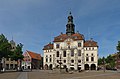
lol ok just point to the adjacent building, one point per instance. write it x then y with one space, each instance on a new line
71 50
31 60
9 63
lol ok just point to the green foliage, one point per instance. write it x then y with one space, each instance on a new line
5 46
110 60
118 46
100 61
17 53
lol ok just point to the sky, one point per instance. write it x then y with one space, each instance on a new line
35 23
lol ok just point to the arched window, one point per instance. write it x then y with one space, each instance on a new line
86 54
79 61
92 54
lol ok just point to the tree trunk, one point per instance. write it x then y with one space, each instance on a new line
17 66
20 65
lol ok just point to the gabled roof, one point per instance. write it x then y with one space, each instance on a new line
48 46
62 37
90 43
34 55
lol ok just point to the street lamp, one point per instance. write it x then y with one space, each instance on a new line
60 62
104 63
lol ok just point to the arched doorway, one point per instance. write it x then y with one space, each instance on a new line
86 67
71 68
46 67
50 66
93 67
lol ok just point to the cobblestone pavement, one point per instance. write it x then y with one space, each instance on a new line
49 74
9 75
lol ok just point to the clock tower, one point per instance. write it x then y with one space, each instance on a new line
70 27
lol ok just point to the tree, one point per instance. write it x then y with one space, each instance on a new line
100 61
110 60
118 46
118 55
5 48
17 55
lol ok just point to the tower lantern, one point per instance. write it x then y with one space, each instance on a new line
70 27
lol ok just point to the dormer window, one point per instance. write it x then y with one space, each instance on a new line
90 44
48 47
79 44
61 39
57 46
75 37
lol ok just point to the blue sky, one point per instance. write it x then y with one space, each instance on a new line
35 23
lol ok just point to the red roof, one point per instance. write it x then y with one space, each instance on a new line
62 37
90 43
48 46
34 55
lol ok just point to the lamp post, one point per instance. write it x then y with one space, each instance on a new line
104 64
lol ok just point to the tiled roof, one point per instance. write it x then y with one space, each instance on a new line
90 43
62 37
48 46
34 55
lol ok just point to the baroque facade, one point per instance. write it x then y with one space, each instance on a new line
71 50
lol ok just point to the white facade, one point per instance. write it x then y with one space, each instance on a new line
71 51
81 55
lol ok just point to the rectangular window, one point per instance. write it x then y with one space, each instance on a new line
79 52
72 61
64 53
87 59
50 59
57 46
57 54
64 61
57 61
79 61
92 58
72 53
46 59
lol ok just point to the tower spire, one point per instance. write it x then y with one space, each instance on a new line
70 26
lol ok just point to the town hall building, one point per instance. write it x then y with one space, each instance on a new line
71 50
